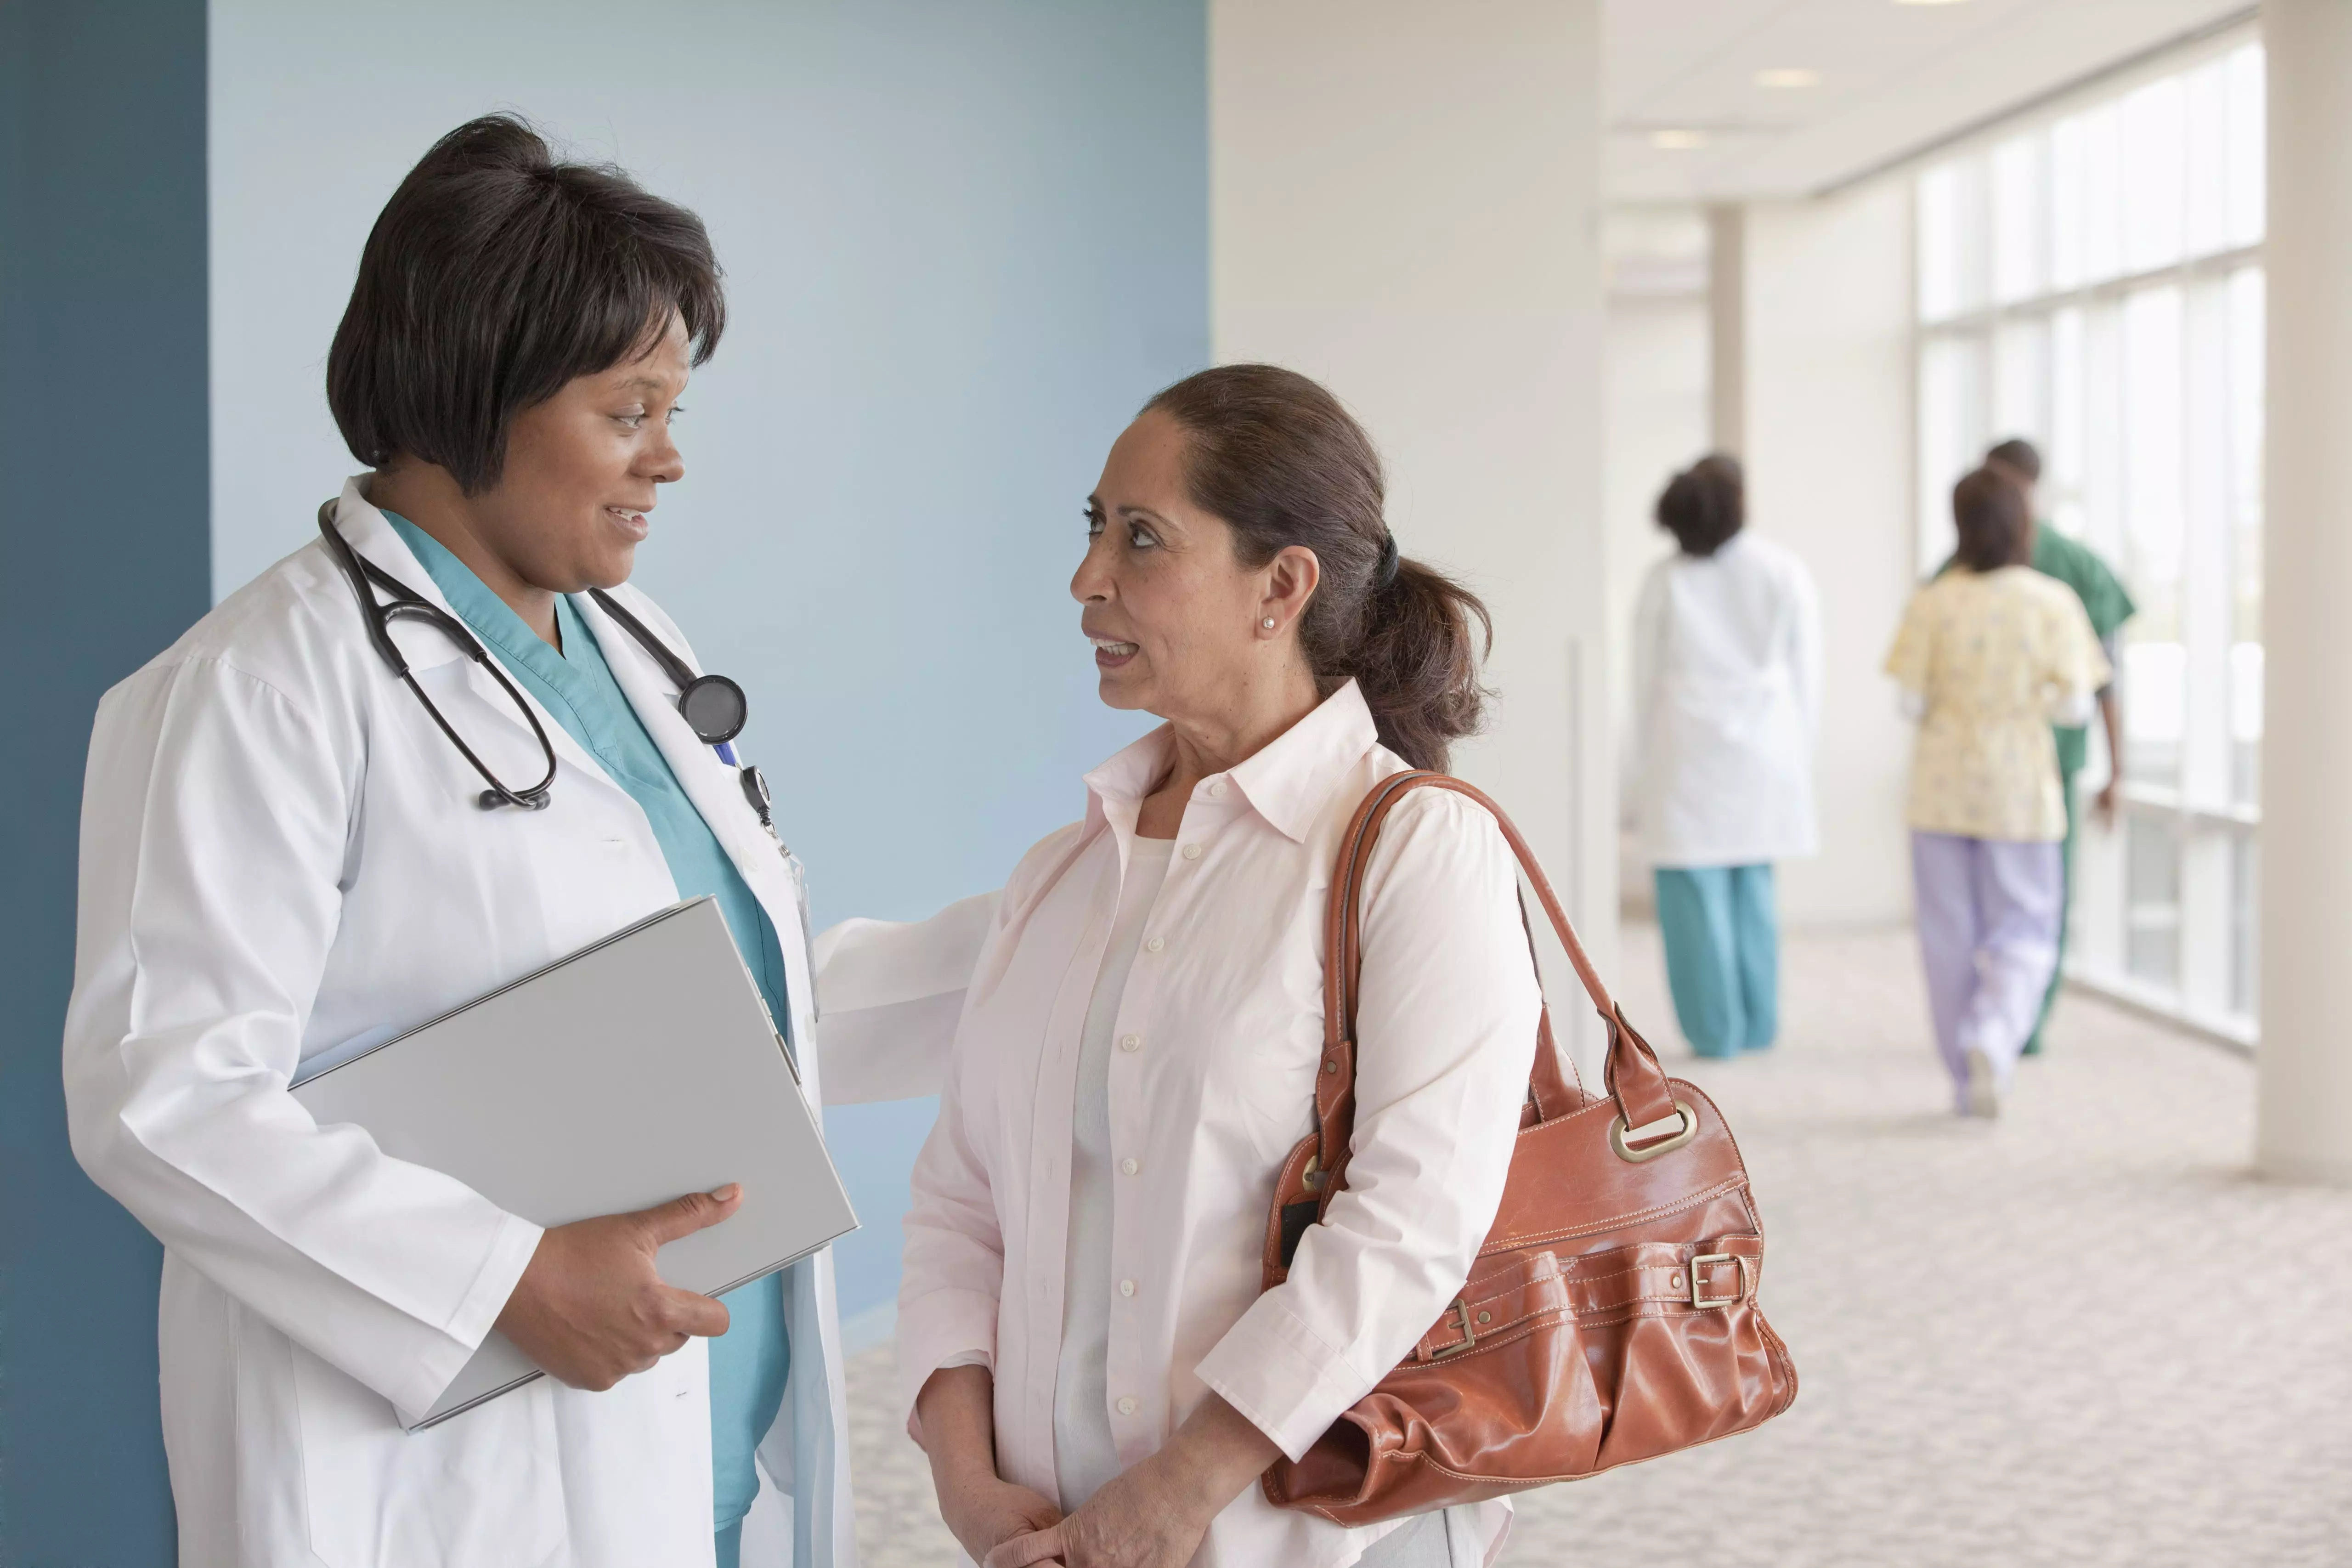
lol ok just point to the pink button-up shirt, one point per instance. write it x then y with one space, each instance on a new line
1218 1041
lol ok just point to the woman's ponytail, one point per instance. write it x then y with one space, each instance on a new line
1416 665
1279 459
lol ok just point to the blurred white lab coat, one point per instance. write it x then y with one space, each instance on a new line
1727 702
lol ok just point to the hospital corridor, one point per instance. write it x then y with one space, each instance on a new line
840 782
2081 1335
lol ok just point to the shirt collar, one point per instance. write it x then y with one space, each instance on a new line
1287 782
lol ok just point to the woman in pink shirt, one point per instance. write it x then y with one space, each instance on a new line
1085 1352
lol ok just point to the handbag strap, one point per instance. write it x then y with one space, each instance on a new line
1632 1074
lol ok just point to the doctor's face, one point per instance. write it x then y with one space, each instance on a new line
1169 605
582 471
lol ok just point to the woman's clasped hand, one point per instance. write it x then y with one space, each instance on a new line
1154 1514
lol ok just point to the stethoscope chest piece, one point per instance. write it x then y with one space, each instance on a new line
714 708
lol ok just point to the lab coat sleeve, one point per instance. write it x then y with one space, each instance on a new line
1445 1031
888 996
215 822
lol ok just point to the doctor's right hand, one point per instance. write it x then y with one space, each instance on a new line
590 1309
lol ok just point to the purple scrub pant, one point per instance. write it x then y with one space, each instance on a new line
1988 917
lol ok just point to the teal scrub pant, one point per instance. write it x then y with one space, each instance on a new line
749 1365
1723 955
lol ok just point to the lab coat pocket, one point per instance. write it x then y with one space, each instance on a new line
483 1489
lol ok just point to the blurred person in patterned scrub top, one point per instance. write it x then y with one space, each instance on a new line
1990 657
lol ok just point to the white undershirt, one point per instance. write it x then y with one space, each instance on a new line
1085 1453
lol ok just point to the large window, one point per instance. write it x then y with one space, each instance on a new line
2093 281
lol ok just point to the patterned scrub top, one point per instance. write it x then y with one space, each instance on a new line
1994 656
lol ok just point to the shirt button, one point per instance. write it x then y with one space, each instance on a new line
1127 1288
1191 852
1130 1043
1216 789
1155 944
1126 1406
1129 1166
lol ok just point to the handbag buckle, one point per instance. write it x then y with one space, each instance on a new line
1631 1144
1699 1298
1461 1309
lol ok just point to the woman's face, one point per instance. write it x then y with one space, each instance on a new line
1177 621
582 469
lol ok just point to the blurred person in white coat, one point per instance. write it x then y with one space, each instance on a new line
313 821
1727 702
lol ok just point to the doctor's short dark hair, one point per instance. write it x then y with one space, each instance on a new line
496 275
1989 514
1704 504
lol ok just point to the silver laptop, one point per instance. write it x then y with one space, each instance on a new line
641 1069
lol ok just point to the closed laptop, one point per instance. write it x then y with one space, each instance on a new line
640 1069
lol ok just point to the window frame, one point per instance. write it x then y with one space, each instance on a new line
2203 912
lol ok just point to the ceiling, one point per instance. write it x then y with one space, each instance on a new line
1891 79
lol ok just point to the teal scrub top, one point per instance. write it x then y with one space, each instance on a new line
750 1361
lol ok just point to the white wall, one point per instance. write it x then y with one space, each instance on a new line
1828 437
1655 419
1405 204
2304 1123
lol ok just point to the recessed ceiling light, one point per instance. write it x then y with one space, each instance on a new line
1679 140
1787 75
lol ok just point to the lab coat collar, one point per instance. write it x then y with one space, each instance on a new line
809 1435
366 530
1287 782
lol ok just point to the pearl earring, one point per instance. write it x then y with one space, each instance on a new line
1267 623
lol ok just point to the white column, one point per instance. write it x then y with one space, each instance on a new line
1726 321
1827 399
2304 1124
1405 204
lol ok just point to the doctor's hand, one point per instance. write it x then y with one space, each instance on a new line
590 1309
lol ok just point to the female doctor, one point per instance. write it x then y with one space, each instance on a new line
437 748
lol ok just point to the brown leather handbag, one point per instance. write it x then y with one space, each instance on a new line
1611 1315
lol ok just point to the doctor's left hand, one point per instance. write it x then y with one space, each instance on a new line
590 1309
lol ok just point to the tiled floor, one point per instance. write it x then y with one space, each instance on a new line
2083 1335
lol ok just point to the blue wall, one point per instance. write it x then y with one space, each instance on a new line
996 250
964 241
103 444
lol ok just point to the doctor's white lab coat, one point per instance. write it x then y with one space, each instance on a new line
1726 700
279 852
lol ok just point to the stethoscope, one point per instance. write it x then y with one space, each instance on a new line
713 706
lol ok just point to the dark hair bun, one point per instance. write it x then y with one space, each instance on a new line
1705 504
